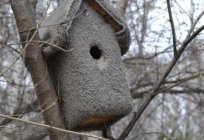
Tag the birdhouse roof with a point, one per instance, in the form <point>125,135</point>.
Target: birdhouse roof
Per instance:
<point>68,10</point>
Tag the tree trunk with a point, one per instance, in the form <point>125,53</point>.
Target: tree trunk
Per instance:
<point>37,66</point>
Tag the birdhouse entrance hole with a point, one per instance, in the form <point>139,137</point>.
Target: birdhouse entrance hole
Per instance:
<point>95,52</point>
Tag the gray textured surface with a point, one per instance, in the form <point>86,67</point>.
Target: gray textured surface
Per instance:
<point>87,87</point>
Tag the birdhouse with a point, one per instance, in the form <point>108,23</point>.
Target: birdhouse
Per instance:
<point>89,77</point>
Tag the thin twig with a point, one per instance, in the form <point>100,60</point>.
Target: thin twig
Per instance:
<point>53,45</point>
<point>51,127</point>
<point>166,89</point>
<point>182,9</point>
<point>180,82</point>
<point>39,108</point>
<point>195,23</point>
<point>172,27</point>
<point>189,39</point>
<point>26,45</point>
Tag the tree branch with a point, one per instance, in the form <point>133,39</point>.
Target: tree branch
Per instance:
<point>20,111</point>
<point>174,91</point>
<point>195,23</point>
<point>157,86</point>
<point>51,127</point>
<point>172,26</point>
<point>37,66</point>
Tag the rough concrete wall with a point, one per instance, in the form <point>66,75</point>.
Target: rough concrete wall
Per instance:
<point>90,87</point>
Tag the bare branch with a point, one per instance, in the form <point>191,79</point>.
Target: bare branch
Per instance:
<point>51,127</point>
<point>189,39</point>
<point>156,88</point>
<point>195,23</point>
<point>172,26</point>
<point>170,90</point>
<point>21,111</point>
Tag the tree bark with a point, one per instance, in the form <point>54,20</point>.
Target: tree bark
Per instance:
<point>36,64</point>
